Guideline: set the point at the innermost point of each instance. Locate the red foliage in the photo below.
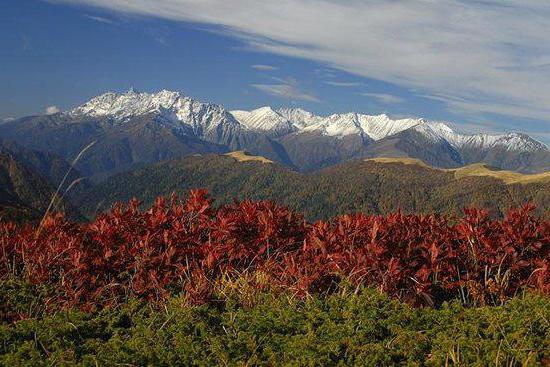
(184, 246)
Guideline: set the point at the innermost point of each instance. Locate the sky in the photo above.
(483, 65)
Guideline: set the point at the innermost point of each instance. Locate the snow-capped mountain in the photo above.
(379, 127)
(176, 110)
(265, 120)
(134, 128)
(184, 112)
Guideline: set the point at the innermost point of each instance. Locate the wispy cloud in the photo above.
(288, 88)
(25, 42)
(160, 34)
(342, 84)
(486, 54)
(52, 110)
(8, 119)
(384, 98)
(325, 73)
(99, 19)
(261, 67)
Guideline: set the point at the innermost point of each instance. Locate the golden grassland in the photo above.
(476, 169)
(243, 156)
(404, 160)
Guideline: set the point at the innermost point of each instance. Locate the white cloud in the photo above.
(99, 19)
(342, 84)
(490, 55)
(8, 119)
(384, 98)
(264, 67)
(52, 110)
(286, 88)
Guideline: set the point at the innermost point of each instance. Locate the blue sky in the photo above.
(484, 65)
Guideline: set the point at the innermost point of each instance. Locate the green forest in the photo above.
(359, 186)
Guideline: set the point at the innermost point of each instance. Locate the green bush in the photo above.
(346, 328)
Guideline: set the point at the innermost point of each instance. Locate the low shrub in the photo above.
(187, 246)
(350, 327)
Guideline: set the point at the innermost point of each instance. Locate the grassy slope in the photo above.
(476, 170)
(243, 156)
(508, 177)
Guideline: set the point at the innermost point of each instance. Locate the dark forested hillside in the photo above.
(24, 193)
(29, 179)
(360, 186)
(51, 167)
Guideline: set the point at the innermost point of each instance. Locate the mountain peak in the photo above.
(263, 119)
(172, 109)
(132, 91)
(131, 103)
(511, 141)
(264, 110)
(288, 111)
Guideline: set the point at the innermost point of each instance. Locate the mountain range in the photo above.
(134, 129)
(29, 178)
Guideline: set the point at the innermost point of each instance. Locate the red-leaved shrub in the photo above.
(185, 246)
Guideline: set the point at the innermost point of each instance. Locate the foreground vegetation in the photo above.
(190, 245)
(348, 327)
(253, 283)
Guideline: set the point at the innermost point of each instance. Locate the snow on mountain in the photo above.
(511, 141)
(132, 103)
(444, 131)
(185, 112)
(431, 132)
(381, 126)
(171, 107)
(339, 125)
(299, 117)
(264, 119)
